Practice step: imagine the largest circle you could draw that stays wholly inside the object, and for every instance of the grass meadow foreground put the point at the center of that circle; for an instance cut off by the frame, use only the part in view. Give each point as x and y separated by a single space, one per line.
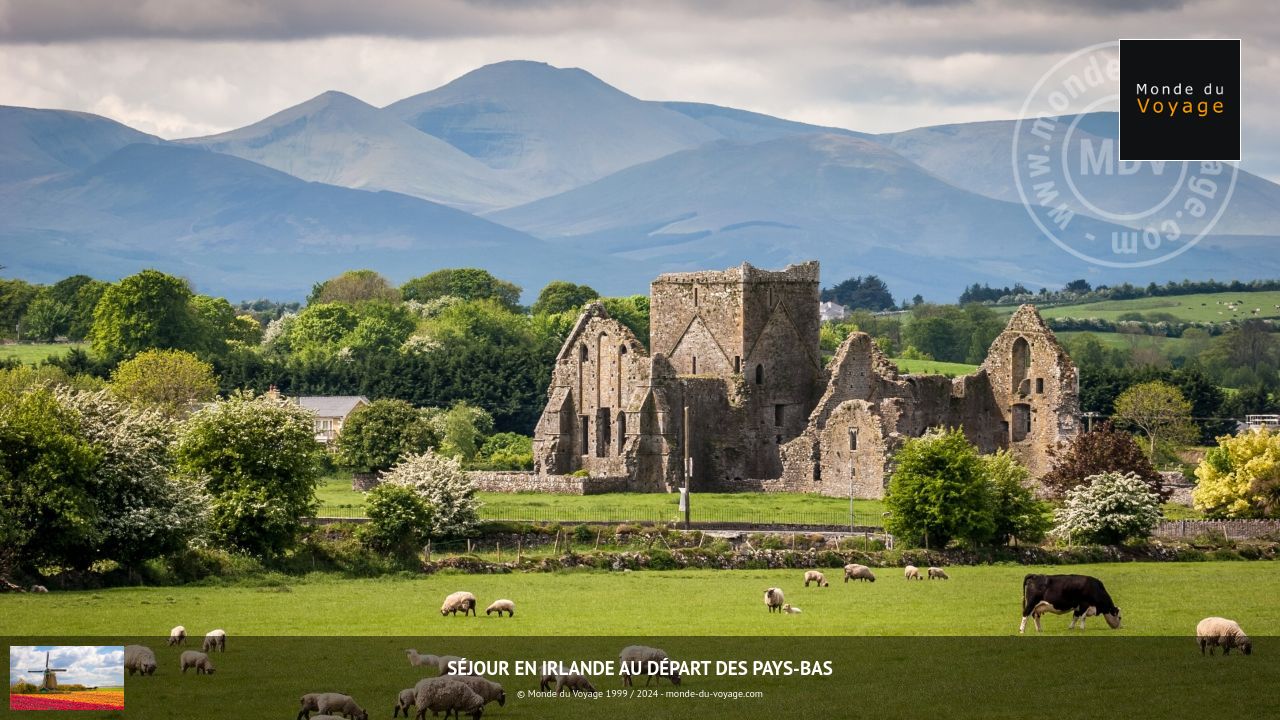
967 660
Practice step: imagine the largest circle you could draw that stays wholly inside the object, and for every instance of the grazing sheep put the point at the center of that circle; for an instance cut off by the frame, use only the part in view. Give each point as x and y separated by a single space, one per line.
501 606
773 599
460 601
911 572
643 655
858 572
177 636
197 660
415 658
447 694
791 609
403 702
39 589
443 662
815 576
139 659
215 639
485 688
1213 632
551 671
937 573
574 683
331 703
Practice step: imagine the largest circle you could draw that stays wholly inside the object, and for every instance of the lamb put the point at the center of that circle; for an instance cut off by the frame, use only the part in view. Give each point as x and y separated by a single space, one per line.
858 572
501 606
215 639
938 574
1213 632
139 659
459 601
177 636
791 609
643 655
485 688
331 703
405 701
773 599
575 683
911 572
197 660
815 576
447 694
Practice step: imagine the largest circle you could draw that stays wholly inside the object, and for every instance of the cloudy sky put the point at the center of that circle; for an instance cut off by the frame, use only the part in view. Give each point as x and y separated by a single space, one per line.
90 665
187 67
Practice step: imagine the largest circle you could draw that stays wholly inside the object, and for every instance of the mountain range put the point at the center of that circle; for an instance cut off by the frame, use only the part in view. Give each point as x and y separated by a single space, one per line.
540 173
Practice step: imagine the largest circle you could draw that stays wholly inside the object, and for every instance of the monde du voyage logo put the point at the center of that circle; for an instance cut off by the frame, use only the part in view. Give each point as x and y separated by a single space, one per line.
1149 189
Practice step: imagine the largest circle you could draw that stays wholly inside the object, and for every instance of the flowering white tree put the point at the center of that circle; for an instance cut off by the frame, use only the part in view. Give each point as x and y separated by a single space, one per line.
1109 509
445 489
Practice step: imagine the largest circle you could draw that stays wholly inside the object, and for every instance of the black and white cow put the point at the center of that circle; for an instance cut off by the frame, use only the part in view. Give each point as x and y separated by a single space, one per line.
1080 595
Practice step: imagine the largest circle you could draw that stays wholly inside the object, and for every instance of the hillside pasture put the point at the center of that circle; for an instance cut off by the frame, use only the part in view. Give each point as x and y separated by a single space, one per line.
34 353
1201 307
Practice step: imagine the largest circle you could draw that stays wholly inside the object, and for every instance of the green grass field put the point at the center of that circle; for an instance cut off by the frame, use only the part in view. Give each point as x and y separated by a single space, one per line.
32 353
1167 346
1204 307
934 367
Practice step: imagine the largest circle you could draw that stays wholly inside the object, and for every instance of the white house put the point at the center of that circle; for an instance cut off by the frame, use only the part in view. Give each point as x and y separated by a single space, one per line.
331 412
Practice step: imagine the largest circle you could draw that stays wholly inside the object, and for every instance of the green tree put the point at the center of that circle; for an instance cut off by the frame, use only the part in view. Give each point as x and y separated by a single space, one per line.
15 296
46 317
632 311
1104 449
400 520
144 311
464 283
1240 478
171 381
1159 412
377 435
462 430
353 287
1016 511
506 451
939 492
258 460
866 293
1109 510
560 296
320 328
446 491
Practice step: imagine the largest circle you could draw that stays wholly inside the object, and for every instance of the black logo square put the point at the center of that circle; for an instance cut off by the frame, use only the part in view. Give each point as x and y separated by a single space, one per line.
1180 100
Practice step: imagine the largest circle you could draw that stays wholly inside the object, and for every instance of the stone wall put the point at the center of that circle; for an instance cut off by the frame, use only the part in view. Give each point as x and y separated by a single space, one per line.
1231 529
530 481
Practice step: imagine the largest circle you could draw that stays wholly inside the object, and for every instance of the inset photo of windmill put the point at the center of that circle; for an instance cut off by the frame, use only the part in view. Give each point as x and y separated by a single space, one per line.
66 677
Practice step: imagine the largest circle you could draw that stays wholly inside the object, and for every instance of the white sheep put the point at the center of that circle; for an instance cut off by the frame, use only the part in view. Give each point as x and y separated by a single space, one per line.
39 589
485 688
501 606
858 572
444 661
460 601
403 702
1213 632
773 599
416 658
447 694
197 660
215 640
815 576
575 683
791 609
938 574
177 636
331 703
911 572
638 657
139 659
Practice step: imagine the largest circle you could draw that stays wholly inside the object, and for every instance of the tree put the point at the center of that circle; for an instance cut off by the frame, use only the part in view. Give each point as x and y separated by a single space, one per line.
1240 478
46 317
462 430
1159 411
506 451
446 491
377 435
1111 509
15 296
939 491
257 458
144 311
400 520
1104 449
632 311
320 328
560 296
869 293
172 381
464 283
1078 286
1017 513
353 287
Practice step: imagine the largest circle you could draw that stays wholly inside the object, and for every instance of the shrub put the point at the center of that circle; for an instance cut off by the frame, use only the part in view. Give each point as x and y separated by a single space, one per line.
377 435
1105 449
399 519
1241 477
445 490
506 451
1112 508
939 492
1016 511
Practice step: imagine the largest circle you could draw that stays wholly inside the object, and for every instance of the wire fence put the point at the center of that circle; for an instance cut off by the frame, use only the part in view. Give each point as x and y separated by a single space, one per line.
650 516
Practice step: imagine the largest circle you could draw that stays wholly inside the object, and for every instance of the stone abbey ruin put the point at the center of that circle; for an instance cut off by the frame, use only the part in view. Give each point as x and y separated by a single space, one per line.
736 352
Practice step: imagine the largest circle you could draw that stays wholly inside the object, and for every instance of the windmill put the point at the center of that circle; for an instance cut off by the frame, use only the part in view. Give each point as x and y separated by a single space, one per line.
50 675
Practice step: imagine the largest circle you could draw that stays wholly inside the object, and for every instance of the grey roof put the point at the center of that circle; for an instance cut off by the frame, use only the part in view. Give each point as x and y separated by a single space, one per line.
331 406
